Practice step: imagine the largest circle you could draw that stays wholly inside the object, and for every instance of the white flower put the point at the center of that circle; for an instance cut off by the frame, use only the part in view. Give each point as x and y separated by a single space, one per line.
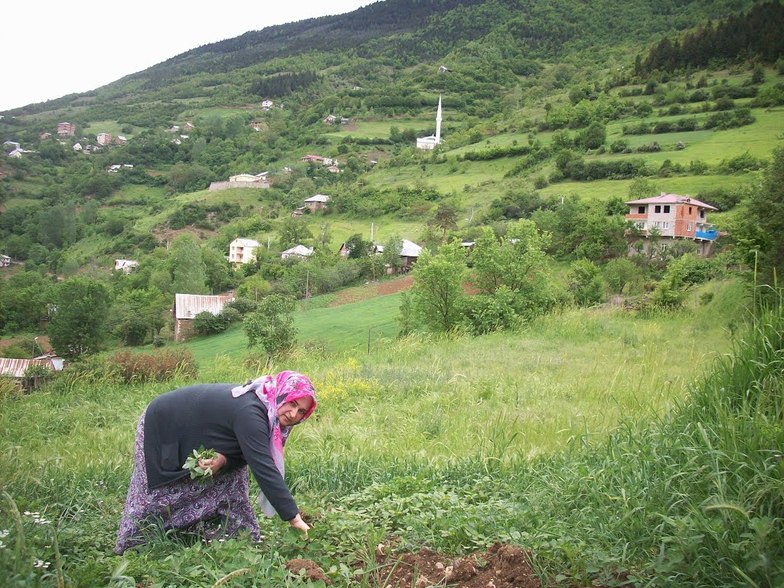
39 563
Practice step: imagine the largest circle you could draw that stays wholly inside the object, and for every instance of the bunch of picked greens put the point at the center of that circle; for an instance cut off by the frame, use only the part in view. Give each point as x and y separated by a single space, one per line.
192 463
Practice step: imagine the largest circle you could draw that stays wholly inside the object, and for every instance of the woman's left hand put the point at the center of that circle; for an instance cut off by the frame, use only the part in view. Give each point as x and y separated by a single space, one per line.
214 464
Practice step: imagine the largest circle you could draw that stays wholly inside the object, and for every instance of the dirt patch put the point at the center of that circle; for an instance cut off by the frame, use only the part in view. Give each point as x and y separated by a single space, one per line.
372 289
501 566
307 570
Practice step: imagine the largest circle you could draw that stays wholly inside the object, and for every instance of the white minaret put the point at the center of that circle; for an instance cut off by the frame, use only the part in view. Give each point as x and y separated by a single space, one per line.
438 122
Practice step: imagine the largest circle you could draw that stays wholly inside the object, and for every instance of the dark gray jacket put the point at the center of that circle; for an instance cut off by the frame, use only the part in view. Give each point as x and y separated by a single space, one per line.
207 415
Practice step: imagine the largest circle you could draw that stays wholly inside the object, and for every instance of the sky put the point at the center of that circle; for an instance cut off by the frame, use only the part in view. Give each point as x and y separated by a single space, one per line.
56 47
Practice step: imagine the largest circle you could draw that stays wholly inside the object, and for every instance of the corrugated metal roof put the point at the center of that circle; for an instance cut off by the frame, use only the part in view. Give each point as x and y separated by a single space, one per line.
16 368
318 198
410 249
298 250
187 306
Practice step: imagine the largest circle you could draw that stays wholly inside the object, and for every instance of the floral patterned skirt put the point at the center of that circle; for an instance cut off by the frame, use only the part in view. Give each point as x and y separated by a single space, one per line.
185 504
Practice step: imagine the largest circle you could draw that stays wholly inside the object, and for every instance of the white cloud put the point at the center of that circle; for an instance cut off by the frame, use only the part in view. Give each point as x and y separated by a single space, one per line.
53 48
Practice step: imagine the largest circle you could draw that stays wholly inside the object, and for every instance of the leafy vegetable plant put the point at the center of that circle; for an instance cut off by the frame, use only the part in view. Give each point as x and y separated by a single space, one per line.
192 463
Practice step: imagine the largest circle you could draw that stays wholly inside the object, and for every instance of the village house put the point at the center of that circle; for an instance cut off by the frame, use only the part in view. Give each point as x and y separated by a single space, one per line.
260 180
18 368
103 139
120 140
44 136
77 147
297 252
317 202
187 306
126 266
257 125
266 104
330 119
409 253
318 159
5 261
243 251
188 127
66 129
673 217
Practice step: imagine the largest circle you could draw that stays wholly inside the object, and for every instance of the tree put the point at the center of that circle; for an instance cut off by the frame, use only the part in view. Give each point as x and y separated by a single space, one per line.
766 212
357 247
271 325
137 314
78 324
23 299
437 294
619 272
188 270
445 218
585 283
293 231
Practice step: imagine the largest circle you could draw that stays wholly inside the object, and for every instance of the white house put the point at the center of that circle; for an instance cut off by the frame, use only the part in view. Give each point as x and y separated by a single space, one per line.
409 251
250 178
298 251
5 261
243 251
125 265
432 141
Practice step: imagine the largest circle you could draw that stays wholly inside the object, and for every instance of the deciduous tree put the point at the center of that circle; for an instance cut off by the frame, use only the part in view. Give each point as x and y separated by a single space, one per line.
78 324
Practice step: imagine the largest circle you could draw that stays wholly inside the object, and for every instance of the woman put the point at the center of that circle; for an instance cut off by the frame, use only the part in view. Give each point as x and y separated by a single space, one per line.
245 425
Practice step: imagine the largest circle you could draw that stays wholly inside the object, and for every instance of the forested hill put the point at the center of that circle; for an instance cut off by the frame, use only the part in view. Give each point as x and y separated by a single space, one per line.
496 35
411 30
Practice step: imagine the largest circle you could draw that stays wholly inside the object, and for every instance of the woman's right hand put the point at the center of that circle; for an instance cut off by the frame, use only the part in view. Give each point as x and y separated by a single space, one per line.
214 464
298 523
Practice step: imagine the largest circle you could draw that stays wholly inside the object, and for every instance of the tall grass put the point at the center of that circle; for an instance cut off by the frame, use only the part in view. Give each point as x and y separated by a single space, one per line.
588 439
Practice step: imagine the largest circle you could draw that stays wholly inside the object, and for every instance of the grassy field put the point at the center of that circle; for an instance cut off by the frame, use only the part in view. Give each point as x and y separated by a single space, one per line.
333 329
685 185
531 438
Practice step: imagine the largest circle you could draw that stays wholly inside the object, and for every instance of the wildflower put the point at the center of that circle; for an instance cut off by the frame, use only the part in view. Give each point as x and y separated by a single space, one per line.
39 563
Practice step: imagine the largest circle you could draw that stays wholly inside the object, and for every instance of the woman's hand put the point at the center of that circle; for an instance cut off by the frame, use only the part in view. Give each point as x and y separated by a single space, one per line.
214 464
298 523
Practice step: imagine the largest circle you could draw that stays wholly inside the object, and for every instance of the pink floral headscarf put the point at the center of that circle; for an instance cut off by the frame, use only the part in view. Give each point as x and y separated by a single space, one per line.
274 391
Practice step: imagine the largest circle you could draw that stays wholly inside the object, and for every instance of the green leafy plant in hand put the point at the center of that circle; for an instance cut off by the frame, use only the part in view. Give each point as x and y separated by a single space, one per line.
192 463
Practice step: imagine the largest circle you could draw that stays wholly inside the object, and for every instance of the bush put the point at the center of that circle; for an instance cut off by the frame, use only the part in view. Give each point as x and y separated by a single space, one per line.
153 367
242 305
206 323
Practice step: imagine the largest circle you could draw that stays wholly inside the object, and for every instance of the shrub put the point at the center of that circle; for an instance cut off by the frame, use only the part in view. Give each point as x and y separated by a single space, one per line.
206 323
153 367
241 305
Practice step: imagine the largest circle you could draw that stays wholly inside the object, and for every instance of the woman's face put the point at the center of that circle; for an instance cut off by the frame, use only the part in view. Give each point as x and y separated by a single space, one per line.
290 413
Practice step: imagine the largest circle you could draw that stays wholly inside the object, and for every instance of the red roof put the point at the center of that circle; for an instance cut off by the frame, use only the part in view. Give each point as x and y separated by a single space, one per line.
16 368
665 198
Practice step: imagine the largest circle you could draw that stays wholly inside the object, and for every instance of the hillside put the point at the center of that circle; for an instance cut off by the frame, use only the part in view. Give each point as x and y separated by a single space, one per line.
543 103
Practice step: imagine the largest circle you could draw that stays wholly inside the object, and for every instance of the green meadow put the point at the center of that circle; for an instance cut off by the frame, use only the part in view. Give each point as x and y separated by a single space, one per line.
613 447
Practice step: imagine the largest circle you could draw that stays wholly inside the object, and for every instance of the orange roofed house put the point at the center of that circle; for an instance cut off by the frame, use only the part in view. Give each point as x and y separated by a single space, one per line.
674 217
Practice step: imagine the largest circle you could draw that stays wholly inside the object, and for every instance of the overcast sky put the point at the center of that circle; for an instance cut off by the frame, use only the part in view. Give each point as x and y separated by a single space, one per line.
57 47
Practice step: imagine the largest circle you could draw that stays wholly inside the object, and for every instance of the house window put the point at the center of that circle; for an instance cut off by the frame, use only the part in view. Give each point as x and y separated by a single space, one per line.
640 210
665 225
666 208
657 208
689 209
702 214
688 227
